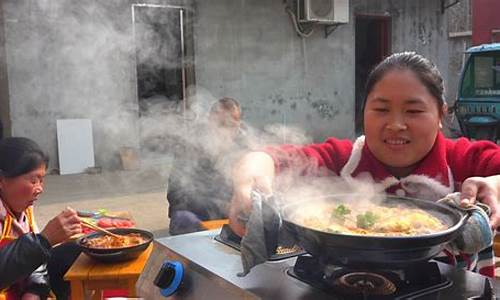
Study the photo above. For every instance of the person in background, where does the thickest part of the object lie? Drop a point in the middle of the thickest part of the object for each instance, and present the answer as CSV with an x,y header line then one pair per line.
x,y
403,151
198,188
24,251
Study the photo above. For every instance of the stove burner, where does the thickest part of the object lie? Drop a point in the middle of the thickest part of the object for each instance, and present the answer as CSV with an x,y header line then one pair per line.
x,y
364,283
412,282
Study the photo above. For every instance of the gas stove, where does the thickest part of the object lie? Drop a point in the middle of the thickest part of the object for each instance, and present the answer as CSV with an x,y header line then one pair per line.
x,y
197,266
412,282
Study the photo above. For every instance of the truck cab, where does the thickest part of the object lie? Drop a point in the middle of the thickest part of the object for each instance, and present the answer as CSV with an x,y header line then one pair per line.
x,y
478,105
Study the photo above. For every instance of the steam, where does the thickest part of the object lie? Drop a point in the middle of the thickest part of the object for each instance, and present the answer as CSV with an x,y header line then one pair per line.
x,y
305,189
68,59
77,52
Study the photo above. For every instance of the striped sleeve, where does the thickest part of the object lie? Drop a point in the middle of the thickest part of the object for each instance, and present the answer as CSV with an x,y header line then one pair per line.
x,y
482,262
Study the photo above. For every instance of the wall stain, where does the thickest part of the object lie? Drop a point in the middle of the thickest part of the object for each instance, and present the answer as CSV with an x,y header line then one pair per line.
x,y
325,109
32,112
277,99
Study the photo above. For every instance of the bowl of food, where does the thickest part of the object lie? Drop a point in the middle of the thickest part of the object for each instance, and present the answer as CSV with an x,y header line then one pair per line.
x,y
131,243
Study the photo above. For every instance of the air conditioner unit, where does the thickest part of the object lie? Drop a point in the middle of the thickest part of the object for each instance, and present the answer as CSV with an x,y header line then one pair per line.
x,y
323,11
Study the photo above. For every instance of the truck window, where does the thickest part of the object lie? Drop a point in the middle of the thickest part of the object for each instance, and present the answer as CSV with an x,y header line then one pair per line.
x,y
483,72
482,76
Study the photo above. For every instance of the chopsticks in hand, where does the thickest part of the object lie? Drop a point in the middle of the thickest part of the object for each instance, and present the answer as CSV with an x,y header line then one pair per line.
x,y
100,229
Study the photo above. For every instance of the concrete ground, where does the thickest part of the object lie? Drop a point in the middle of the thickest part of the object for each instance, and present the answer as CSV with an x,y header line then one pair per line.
x,y
142,193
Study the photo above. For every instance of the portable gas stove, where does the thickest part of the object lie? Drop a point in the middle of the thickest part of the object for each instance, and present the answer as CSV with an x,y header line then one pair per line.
x,y
197,266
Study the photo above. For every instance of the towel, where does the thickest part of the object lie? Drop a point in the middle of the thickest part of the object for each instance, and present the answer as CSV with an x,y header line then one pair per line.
x,y
476,234
264,231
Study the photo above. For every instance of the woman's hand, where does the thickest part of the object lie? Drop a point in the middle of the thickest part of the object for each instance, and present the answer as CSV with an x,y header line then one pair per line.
x,y
30,296
254,170
62,227
485,190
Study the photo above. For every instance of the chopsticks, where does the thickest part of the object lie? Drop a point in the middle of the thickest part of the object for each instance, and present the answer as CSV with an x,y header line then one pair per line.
x,y
100,229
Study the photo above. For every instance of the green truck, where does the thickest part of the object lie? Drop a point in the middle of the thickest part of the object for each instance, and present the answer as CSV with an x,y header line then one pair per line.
x,y
478,105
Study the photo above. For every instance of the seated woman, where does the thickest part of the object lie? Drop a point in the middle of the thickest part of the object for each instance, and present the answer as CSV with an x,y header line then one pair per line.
x,y
24,251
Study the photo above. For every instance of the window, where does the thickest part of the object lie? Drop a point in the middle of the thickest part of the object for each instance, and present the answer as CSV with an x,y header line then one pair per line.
x,y
160,34
482,76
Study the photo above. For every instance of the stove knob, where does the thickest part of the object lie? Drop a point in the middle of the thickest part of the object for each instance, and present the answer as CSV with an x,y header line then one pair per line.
x,y
169,278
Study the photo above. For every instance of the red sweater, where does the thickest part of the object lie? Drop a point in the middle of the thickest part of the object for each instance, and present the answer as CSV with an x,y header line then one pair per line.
x,y
441,172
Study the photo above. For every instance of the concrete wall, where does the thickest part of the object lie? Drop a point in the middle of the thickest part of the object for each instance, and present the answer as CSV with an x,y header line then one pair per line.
x,y
72,59
459,30
75,59
4,83
251,52
459,39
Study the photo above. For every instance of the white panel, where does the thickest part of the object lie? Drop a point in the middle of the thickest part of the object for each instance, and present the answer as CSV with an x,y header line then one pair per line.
x,y
75,145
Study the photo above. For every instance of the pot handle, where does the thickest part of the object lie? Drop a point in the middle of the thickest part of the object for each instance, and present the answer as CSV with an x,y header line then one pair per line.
x,y
109,254
467,214
453,201
469,210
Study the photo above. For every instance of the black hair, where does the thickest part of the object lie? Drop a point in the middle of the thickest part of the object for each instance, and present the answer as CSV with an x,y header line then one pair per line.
x,y
424,69
225,104
19,156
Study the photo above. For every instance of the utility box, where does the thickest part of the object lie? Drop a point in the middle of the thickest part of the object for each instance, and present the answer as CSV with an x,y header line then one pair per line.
x,y
323,11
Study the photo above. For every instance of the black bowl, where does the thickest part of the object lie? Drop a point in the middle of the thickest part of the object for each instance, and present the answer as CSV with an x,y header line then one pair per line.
x,y
116,254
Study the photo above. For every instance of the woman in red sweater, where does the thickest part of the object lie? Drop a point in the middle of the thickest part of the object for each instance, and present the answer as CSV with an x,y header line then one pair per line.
x,y
403,150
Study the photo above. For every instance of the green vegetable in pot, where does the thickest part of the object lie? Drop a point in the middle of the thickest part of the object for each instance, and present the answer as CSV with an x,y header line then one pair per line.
x,y
366,220
339,213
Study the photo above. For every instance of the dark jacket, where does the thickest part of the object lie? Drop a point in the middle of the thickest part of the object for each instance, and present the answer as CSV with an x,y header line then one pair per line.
x,y
198,182
24,259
